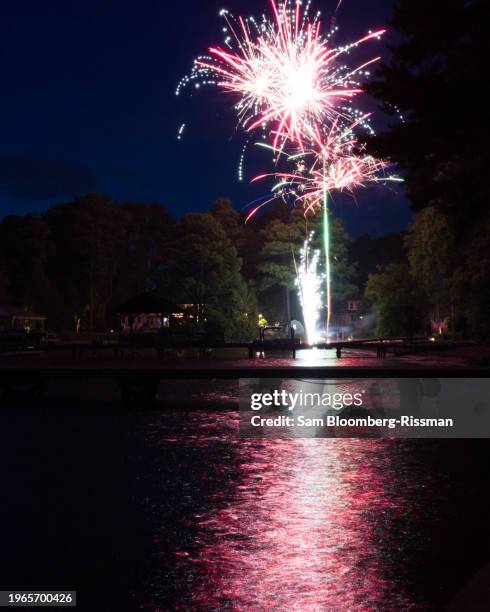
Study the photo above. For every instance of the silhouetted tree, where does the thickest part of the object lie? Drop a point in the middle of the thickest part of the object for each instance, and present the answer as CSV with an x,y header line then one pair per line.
x,y
433,79
25,245
148,249
231,221
368,252
397,300
88,234
431,256
207,273
4,282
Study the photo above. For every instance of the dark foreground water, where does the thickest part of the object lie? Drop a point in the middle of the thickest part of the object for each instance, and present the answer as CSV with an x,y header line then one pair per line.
x,y
170,510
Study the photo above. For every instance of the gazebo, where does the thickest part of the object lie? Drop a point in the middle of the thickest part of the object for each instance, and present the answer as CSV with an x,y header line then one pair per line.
x,y
15,318
147,312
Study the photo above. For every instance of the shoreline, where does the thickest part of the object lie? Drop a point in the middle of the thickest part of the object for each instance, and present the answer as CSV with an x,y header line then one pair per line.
x,y
209,384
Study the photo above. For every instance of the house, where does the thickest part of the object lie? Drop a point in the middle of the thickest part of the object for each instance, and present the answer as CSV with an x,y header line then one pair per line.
x,y
349,319
13,318
147,312
439,319
439,326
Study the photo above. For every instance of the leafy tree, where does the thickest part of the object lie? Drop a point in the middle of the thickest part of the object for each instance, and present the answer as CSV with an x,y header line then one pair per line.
x,y
442,143
148,247
367,252
4,281
231,221
470,285
25,246
282,243
430,245
397,301
88,234
208,274
432,79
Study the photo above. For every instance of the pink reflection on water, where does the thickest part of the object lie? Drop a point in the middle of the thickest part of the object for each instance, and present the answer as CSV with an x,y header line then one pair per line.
x,y
301,530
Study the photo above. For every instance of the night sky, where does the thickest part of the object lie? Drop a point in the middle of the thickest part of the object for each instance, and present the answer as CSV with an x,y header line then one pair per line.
x,y
88,104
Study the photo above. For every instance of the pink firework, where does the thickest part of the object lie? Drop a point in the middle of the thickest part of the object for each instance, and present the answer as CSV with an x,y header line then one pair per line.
x,y
286,76
288,79
335,161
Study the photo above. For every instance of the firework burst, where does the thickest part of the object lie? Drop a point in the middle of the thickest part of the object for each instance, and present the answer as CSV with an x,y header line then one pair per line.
x,y
286,75
290,81
336,162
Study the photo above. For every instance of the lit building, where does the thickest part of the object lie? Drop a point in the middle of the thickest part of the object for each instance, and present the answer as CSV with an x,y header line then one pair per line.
x,y
12,318
148,312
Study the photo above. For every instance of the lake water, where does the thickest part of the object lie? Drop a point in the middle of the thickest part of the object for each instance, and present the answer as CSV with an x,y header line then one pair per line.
x,y
307,524
168,509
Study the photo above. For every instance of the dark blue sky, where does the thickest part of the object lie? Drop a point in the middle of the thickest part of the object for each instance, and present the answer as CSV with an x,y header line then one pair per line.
x,y
87,104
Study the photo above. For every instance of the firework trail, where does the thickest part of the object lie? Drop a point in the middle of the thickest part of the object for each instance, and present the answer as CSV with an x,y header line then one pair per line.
x,y
309,281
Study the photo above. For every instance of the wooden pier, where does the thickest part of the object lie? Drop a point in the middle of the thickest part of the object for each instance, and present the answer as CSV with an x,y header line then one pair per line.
x,y
142,383
256,348
140,375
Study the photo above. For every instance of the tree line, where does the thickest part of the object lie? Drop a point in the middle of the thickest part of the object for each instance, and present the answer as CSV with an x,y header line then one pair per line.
x,y
77,261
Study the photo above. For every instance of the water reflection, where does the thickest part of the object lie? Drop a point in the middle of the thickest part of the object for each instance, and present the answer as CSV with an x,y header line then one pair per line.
x,y
298,535
328,358
300,527
305,524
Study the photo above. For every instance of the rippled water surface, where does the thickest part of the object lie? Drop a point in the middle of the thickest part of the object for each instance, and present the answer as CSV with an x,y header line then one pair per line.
x,y
167,508
301,524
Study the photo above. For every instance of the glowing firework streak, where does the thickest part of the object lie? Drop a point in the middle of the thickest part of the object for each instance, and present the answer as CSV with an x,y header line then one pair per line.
x,y
180,132
338,163
309,281
326,247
